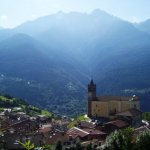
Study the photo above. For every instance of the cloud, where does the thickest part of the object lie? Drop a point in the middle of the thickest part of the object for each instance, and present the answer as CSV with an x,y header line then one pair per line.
x,y
3,17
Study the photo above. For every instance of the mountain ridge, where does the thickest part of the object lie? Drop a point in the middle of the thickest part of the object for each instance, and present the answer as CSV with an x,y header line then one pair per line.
x,y
74,47
143,26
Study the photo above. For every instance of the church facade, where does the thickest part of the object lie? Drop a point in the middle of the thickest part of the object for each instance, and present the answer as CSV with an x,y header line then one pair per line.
x,y
107,106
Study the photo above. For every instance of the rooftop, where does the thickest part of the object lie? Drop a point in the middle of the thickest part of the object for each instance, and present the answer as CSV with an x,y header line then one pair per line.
x,y
118,98
130,113
118,123
75,132
85,124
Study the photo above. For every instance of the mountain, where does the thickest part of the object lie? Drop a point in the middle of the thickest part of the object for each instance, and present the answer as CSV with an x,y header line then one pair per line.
x,y
5,33
28,71
80,33
143,26
71,32
50,60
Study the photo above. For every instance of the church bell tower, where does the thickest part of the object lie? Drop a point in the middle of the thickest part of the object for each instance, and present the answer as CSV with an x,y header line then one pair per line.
x,y
91,91
91,95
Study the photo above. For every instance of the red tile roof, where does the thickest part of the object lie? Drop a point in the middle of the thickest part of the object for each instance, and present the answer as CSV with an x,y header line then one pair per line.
x,y
45,130
94,132
53,138
76,132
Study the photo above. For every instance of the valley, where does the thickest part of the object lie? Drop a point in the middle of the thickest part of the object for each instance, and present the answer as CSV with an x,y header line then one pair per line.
x,y
49,61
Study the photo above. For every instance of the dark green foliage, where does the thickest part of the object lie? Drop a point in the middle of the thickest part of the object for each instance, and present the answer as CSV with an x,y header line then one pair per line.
x,y
146,116
120,140
143,141
8,96
89,147
72,148
7,101
47,147
124,140
58,146
78,146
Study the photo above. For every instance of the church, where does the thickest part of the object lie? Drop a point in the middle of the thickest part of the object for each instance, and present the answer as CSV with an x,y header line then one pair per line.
x,y
107,106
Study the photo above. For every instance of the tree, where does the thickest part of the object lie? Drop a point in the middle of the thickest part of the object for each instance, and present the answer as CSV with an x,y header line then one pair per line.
x,y
128,138
120,140
146,116
143,141
27,145
47,147
58,146
89,147
78,146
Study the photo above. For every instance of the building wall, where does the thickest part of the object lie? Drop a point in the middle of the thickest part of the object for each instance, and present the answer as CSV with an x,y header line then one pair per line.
x,y
107,108
125,105
114,106
135,104
100,109
89,108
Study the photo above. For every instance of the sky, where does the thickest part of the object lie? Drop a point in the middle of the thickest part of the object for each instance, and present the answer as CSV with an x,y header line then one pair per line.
x,y
15,12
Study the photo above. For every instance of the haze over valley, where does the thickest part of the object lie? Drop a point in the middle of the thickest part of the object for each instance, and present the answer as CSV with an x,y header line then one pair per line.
x,y
49,61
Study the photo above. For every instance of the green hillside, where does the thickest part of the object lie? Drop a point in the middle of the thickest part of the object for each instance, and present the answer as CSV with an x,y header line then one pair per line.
x,y
19,105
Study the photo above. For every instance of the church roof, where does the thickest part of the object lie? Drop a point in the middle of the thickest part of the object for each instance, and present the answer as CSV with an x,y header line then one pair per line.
x,y
118,98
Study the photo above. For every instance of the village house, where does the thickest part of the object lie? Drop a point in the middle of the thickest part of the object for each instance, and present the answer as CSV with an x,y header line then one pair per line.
x,y
86,124
133,116
114,125
106,114
81,135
